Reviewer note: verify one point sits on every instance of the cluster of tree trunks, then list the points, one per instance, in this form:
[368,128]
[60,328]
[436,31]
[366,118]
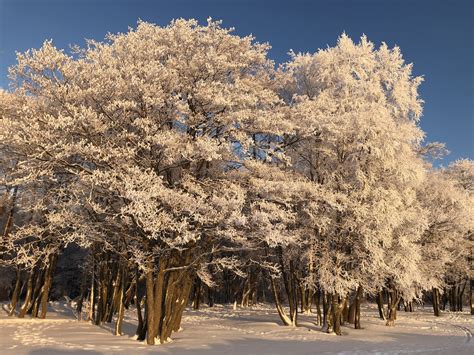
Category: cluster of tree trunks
[162,290]
[391,297]
[160,293]
[109,292]
[33,287]
[452,296]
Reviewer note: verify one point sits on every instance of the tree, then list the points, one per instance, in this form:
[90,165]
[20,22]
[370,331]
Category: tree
[153,127]
[356,110]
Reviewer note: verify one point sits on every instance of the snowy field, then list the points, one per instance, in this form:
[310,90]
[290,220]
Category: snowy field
[222,330]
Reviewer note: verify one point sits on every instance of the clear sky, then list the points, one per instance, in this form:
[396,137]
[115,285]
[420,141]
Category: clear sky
[436,35]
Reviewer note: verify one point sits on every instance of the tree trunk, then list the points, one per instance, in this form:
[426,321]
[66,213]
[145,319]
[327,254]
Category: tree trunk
[82,296]
[15,294]
[183,301]
[48,281]
[309,301]
[121,305]
[380,305]
[92,291]
[471,296]
[336,314]
[210,297]
[29,291]
[290,283]
[319,318]
[150,338]
[99,314]
[158,296]
[452,299]
[358,299]
[293,295]
[281,311]
[351,313]
[142,331]
[392,309]
[197,293]
[114,295]
[169,302]
[345,311]
[138,304]
[460,296]
[33,307]
[436,302]
[326,312]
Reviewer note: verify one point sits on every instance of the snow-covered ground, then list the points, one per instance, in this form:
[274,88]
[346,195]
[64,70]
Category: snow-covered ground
[222,330]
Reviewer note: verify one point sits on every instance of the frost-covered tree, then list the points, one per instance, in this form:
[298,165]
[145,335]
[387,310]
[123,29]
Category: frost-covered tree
[165,158]
[460,270]
[357,110]
[444,246]
[154,126]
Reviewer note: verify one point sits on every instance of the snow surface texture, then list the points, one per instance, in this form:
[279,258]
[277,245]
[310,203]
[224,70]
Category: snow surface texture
[256,330]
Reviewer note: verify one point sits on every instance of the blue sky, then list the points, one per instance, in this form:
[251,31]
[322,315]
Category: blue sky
[436,35]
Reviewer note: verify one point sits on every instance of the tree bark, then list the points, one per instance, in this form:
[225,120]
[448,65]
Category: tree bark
[319,318]
[150,301]
[358,299]
[158,296]
[326,312]
[380,305]
[338,304]
[281,311]
[15,294]
[91,295]
[460,296]
[48,281]
[436,302]
[393,305]
[121,305]
[138,304]
[471,295]
[197,293]
[29,291]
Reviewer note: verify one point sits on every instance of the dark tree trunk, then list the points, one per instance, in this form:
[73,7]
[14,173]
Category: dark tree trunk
[471,295]
[15,294]
[452,299]
[48,281]
[82,295]
[326,309]
[319,318]
[29,291]
[138,304]
[380,305]
[141,332]
[436,302]
[444,299]
[197,293]
[121,305]
[358,299]
[210,297]
[460,296]
[394,300]
[336,314]
[351,313]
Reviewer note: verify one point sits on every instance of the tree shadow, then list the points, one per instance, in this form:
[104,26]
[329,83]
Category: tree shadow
[52,351]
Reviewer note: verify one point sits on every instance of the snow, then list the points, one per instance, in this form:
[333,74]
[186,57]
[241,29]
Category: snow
[256,330]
